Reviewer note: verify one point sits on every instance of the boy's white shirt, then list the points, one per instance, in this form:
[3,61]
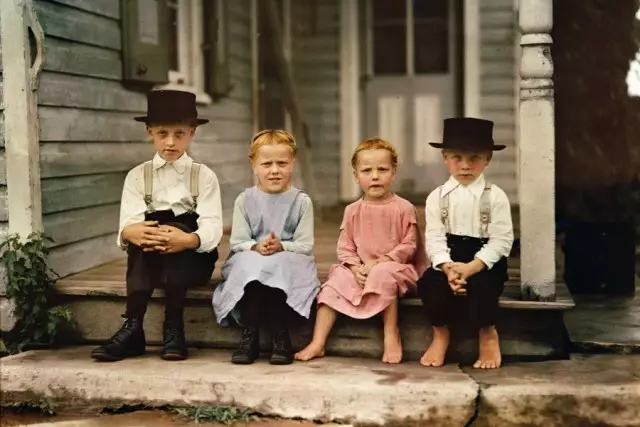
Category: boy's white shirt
[464,220]
[171,191]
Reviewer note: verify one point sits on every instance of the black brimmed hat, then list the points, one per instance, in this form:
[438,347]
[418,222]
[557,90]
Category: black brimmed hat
[467,133]
[171,106]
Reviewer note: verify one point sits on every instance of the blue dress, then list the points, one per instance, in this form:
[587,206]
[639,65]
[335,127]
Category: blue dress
[293,272]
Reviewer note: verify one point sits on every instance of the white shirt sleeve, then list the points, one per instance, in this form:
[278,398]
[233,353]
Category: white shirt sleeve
[435,234]
[240,239]
[303,241]
[132,206]
[500,229]
[209,209]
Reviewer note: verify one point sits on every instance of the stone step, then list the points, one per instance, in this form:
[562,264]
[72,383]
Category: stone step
[524,332]
[582,391]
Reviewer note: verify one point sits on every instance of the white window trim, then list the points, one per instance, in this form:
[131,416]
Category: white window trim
[190,75]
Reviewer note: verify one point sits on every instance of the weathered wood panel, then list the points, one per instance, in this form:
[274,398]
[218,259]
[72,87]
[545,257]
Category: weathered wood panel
[316,64]
[63,159]
[81,224]
[109,8]
[78,256]
[71,124]
[63,194]
[74,24]
[83,60]
[498,87]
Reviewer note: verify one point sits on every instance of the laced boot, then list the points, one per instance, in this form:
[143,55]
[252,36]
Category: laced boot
[129,341]
[249,348]
[174,342]
[281,354]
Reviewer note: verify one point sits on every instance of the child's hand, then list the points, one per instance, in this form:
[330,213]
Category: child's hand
[175,240]
[366,268]
[269,245]
[454,279]
[357,272]
[143,234]
[467,269]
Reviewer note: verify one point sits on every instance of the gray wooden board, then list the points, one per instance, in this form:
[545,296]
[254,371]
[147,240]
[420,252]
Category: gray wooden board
[109,8]
[74,24]
[81,224]
[63,194]
[79,256]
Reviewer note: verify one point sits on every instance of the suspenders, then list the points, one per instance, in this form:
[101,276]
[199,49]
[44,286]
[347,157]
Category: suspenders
[485,211]
[194,174]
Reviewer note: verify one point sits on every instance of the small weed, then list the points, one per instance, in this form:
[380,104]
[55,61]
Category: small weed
[42,406]
[216,414]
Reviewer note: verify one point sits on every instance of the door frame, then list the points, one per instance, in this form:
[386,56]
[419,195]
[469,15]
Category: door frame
[351,90]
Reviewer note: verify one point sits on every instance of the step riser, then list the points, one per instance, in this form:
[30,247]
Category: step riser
[524,333]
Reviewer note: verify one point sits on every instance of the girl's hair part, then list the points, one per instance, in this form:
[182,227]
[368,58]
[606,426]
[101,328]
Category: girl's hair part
[375,144]
[271,136]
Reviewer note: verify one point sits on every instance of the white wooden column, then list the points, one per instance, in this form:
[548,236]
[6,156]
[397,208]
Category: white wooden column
[536,178]
[21,133]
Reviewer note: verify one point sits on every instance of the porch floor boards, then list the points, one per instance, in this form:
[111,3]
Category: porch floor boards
[108,280]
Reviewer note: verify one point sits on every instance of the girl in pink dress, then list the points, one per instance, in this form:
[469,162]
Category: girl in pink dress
[380,252]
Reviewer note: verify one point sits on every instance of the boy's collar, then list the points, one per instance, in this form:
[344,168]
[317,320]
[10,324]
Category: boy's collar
[476,187]
[180,165]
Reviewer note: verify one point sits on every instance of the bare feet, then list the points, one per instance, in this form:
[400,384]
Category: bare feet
[435,354]
[392,347]
[311,351]
[490,357]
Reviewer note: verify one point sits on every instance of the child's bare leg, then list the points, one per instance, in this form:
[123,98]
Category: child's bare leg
[489,354]
[435,354]
[392,341]
[325,318]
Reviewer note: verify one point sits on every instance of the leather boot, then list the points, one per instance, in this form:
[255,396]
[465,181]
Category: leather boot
[174,342]
[249,348]
[129,341]
[281,353]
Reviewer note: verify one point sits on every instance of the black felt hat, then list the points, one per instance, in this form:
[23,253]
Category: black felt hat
[171,106]
[467,133]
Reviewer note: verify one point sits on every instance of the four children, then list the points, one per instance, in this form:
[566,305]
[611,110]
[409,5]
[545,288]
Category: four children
[171,225]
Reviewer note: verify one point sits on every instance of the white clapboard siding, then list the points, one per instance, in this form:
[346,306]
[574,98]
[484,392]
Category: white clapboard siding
[88,137]
[498,87]
[316,67]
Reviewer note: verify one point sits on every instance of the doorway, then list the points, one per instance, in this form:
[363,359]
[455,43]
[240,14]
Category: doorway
[412,80]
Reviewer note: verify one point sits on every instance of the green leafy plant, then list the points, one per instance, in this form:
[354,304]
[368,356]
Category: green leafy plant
[30,286]
[216,414]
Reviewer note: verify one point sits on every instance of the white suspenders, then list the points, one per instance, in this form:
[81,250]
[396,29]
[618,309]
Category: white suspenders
[485,211]
[194,173]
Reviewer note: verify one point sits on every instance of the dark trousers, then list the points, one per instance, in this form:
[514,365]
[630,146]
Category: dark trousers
[480,304]
[263,305]
[174,273]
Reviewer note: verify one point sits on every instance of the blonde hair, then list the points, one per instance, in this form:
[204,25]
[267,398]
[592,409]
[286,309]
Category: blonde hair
[271,136]
[375,144]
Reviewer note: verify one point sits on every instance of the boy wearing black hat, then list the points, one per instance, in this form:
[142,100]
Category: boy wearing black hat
[170,226]
[468,238]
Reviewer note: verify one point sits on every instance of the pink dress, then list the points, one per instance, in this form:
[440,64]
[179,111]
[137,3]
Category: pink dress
[368,231]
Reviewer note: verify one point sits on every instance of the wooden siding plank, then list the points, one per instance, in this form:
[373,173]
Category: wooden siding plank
[108,8]
[79,256]
[63,194]
[70,124]
[81,59]
[81,224]
[63,90]
[63,159]
[73,24]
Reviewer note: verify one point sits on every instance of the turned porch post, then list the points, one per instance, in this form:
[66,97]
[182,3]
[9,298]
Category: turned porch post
[20,86]
[536,177]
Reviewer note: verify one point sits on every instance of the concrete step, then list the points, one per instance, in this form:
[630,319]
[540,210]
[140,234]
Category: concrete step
[524,332]
[589,391]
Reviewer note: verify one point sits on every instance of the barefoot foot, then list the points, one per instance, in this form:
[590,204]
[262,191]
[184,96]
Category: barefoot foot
[311,351]
[392,347]
[435,354]
[489,352]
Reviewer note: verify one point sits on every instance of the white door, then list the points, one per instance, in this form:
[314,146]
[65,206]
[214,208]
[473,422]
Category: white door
[411,82]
